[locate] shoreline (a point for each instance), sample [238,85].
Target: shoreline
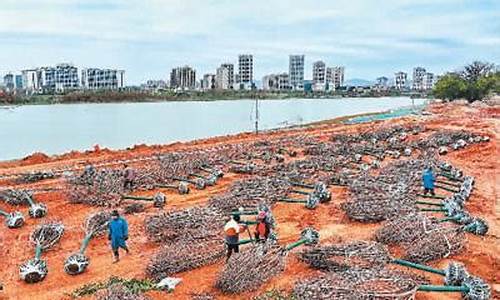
[4,105]
[311,125]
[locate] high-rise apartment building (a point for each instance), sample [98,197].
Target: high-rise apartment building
[183,78]
[65,77]
[245,70]
[335,77]
[8,82]
[400,79]
[31,82]
[108,79]
[19,82]
[296,71]
[319,76]
[418,78]
[208,82]
[429,81]
[225,77]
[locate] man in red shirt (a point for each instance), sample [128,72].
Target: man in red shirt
[263,228]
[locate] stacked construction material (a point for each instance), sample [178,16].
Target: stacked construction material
[185,256]
[118,291]
[13,219]
[188,224]
[96,188]
[250,269]
[95,225]
[44,237]
[18,197]
[35,176]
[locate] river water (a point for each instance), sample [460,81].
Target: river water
[55,129]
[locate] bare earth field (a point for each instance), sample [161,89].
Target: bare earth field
[481,256]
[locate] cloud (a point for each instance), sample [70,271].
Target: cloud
[149,37]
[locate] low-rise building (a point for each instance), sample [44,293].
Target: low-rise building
[276,82]
[106,79]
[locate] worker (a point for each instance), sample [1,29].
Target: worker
[118,234]
[429,179]
[263,228]
[129,177]
[232,230]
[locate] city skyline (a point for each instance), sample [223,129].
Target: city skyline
[148,39]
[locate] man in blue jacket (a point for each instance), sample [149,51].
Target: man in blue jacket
[118,234]
[428,179]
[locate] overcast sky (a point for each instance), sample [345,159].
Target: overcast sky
[149,37]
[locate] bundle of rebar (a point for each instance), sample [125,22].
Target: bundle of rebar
[185,256]
[406,228]
[118,291]
[103,188]
[15,196]
[195,223]
[436,244]
[43,237]
[253,267]
[342,257]
[357,284]
[95,225]
[133,208]
[35,176]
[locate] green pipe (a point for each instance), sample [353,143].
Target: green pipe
[249,222]
[446,188]
[432,197]
[249,212]
[443,288]
[38,252]
[246,241]
[429,203]
[303,185]
[296,244]
[288,200]
[448,219]
[30,201]
[450,177]
[418,266]
[137,197]
[299,192]
[448,183]
[166,186]
[85,243]
[3,213]
[434,209]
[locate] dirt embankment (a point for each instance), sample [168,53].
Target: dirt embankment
[481,255]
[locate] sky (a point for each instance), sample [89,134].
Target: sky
[148,38]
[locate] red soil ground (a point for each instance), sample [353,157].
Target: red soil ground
[481,255]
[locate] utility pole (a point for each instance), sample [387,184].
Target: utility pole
[256,115]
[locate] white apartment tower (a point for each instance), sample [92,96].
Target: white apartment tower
[429,81]
[66,77]
[400,79]
[296,71]
[319,76]
[224,77]
[245,70]
[418,78]
[335,77]
[183,78]
[208,82]
[107,79]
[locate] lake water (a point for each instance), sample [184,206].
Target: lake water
[55,129]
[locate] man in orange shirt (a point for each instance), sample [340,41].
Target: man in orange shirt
[232,229]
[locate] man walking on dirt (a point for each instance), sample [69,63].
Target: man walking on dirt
[118,234]
[232,229]
[429,179]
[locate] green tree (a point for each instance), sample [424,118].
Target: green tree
[450,87]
